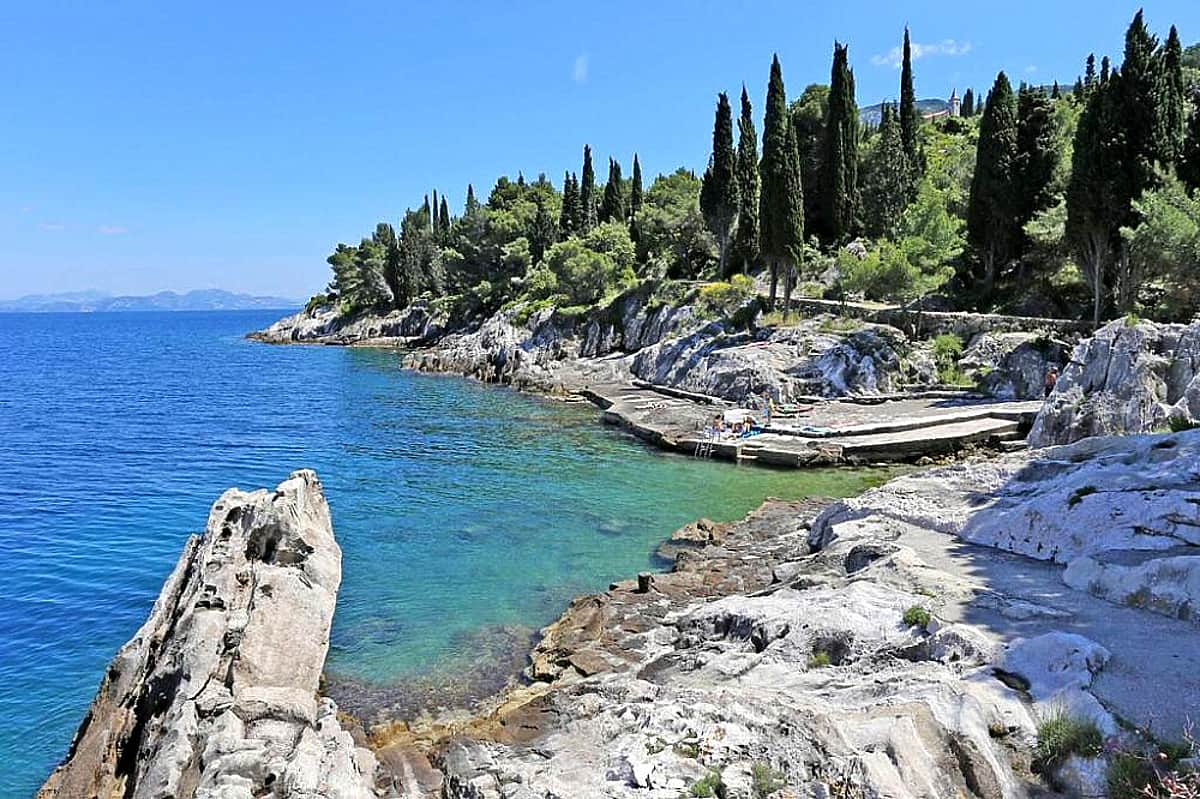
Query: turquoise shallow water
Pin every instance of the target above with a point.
(468, 515)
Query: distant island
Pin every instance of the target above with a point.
(93, 301)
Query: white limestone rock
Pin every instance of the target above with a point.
(216, 694)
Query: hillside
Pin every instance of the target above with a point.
(198, 300)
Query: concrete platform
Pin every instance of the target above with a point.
(841, 431)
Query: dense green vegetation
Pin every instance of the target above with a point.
(1033, 200)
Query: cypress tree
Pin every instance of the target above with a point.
(568, 217)
(472, 204)
(1104, 70)
(992, 228)
(886, 178)
(1077, 90)
(434, 222)
(908, 105)
(635, 190)
(543, 233)
(444, 217)
(792, 218)
(968, 103)
(1089, 72)
(774, 202)
(1037, 155)
(1172, 104)
(807, 119)
(587, 193)
(839, 164)
(718, 187)
(1095, 209)
(635, 198)
(1055, 93)
(746, 238)
(612, 208)
(1189, 157)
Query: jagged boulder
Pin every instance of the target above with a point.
(1013, 365)
(1125, 379)
(216, 694)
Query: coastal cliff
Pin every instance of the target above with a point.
(216, 695)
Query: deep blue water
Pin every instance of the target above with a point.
(468, 515)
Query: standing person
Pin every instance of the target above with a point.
(1051, 380)
(767, 408)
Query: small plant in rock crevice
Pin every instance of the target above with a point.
(710, 785)
(765, 780)
(1061, 735)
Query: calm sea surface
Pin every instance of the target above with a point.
(468, 515)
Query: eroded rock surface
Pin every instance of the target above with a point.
(326, 324)
(1125, 379)
(216, 695)
(785, 650)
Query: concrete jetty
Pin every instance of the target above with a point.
(825, 432)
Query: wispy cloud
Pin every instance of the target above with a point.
(112, 230)
(580, 71)
(52, 227)
(1032, 68)
(894, 57)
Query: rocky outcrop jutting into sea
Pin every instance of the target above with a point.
(216, 694)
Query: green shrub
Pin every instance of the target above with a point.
(710, 784)
(1129, 776)
(947, 349)
(765, 780)
(916, 616)
(721, 299)
(1061, 735)
(317, 300)
(1079, 494)
(1178, 424)
(819, 659)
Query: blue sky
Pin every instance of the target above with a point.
(151, 145)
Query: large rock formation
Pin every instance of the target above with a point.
(326, 324)
(1013, 365)
(1127, 378)
(216, 694)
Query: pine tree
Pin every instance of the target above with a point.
(635, 197)
(568, 217)
(472, 204)
(839, 164)
(886, 178)
(1089, 72)
(587, 193)
(612, 207)
(992, 228)
(1172, 104)
(908, 106)
(776, 204)
(746, 237)
(968, 103)
(1189, 157)
(1037, 155)
(718, 187)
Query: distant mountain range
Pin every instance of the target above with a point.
(91, 301)
(872, 114)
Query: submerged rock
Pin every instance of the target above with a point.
(216, 695)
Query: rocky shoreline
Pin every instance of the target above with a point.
(906, 643)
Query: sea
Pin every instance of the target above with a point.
(468, 515)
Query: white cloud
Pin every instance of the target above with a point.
(52, 227)
(580, 72)
(112, 230)
(1032, 68)
(894, 57)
